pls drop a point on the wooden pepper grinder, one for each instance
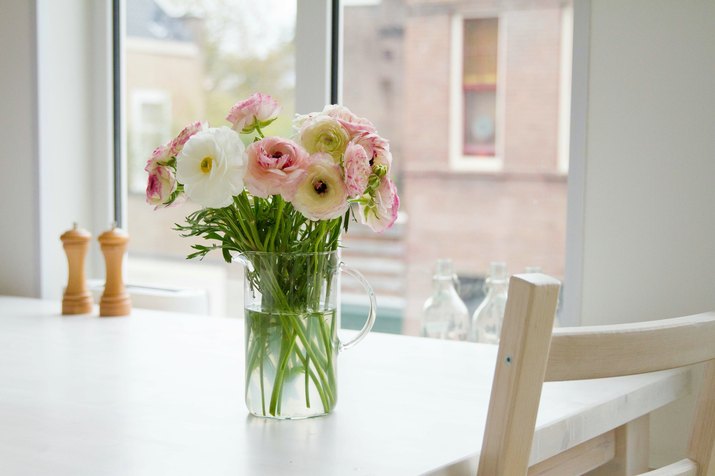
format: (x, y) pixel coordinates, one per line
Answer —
(77, 298)
(115, 300)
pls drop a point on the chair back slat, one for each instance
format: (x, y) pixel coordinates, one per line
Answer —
(519, 373)
(529, 355)
(607, 351)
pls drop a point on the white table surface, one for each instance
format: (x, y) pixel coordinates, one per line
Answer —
(159, 393)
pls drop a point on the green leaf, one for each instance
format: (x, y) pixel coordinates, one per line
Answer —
(226, 255)
(346, 220)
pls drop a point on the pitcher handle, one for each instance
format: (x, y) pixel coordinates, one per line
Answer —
(372, 313)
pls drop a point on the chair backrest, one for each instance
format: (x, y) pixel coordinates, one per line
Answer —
(529, 355)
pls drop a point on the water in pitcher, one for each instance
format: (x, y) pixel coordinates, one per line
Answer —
(291, 363)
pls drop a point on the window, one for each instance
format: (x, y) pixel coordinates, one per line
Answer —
(473, 106)
(479, 79)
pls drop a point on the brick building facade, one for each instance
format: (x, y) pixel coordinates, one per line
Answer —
(405, 67)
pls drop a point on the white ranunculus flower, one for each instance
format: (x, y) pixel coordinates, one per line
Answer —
(211, 167)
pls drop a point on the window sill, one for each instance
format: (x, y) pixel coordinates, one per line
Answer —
(485, 175)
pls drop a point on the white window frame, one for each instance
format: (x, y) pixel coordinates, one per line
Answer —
(458, 161)
(578, 135)
(312, 55)
(93, 173)
(566, 66)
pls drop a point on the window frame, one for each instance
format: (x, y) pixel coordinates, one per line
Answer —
(318, 64)
(565, 85)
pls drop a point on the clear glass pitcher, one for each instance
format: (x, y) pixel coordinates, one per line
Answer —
(292, 317)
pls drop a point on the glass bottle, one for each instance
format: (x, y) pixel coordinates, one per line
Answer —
(488, 317)
(445, 315)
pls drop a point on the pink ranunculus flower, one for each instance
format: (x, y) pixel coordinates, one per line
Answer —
(357, 169)
(160, 157)
(351, 122)
(380, 212)
(275, 166)
(178, 142)
(161, 184)
(321, 194)
(259, 109)
(302, 120)
(382, 157)
(377, 148)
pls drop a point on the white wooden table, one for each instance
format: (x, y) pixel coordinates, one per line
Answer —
(159, 393)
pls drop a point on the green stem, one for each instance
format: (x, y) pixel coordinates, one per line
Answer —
(325, 389)
(279, 216)
(276, 292)
(286, 350)
(327, 342)
(231, 221)
(263, 391)
(306, 365)
(325, 400)
(256, 352)
(249, 223)
(294, 325)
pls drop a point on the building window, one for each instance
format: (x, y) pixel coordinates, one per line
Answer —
(150, 125)
(479, 84)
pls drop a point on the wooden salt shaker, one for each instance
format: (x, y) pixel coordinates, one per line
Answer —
(115, 300)
(77, 298)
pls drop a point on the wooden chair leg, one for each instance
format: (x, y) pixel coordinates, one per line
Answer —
(702, 448)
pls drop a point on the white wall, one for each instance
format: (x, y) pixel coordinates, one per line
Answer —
(649, 204)
(19, 201)
(647, 211)
(54, 89)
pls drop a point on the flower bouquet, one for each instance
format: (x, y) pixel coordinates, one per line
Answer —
(279, 206)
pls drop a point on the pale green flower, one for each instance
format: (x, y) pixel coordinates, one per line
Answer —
(325, 134)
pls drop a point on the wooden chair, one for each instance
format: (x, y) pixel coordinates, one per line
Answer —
(529, 355)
